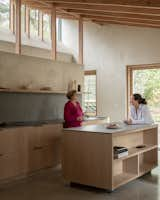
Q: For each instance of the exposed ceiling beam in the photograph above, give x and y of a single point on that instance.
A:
(103, 14)
(123, 20)
(110, 8)
(140, 3)
(112, 22)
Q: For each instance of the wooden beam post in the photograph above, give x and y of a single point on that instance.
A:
(25, 18)
(18, 26)
(53, 33)
(39, 19)
(80, 59)
(27, 21)
(12, 16)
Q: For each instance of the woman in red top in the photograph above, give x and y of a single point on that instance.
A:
(73, 114)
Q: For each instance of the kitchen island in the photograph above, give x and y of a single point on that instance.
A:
(88, 155)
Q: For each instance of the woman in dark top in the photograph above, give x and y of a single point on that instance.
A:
(73, 114)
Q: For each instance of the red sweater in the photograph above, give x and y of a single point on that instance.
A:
(71, 112)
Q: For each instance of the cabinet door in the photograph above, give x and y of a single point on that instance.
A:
(51, 133)
(11, 165)
(11, 140)
(33, 137)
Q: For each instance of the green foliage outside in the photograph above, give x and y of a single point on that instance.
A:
(147, 83)
(4, 13)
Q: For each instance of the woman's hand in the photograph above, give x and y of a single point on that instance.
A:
(129, 121)
(79, 119)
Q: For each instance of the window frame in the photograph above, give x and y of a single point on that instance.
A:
(90, 73)
(129, 78)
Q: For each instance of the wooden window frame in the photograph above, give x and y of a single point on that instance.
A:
(89, 73)
(129, 77)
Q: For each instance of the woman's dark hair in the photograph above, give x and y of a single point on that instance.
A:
(139, 98)
(71, 93)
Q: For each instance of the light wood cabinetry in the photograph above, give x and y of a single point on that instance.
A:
(88, 155)
(27, 149)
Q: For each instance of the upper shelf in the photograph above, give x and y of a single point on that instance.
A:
(32, 91)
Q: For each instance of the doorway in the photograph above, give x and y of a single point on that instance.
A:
(145, 79)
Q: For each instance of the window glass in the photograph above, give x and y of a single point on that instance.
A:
(90, 95)
(47, 27)
(34, 22)
(4, 14)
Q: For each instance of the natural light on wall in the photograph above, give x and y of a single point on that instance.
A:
(4, 14)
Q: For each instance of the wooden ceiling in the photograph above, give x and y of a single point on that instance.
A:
(143, 13)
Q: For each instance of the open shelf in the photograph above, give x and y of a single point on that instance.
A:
(34, 91)
(31, 91)
(135, 151)
(125, 171)
(123, 178)
(148, 161)
(139, 161)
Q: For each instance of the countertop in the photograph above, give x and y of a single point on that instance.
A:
(104, 130)
(4, 125)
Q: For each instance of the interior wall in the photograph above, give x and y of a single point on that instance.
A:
(109, 49)
(18, 71)
(32, 73)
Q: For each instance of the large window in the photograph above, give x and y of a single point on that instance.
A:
(90, 104)
(146, 81)
(4, 14)
(35, 24)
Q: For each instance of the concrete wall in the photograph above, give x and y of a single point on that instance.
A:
(34, 73)
(31, 107)
(109, 49)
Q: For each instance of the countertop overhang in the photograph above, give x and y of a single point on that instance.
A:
(102, 128)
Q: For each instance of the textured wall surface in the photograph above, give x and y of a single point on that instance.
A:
(109, 49)
(34, 73)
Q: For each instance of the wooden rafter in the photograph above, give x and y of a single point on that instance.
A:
(133, 12)
(53, 32)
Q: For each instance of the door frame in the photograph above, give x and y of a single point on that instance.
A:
(129, 77)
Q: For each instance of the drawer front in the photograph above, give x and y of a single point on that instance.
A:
(43, 156)
(11, 140)
(11, 165)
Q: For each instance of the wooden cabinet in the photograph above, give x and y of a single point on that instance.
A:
(26, 149)
(88, 155)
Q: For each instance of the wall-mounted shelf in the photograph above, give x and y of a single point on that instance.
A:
(33, 91)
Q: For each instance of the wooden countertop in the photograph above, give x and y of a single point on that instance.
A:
(102, 128)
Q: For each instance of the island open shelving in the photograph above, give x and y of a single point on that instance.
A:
(88, 154)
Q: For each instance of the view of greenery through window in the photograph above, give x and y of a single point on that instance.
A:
(4, 21)
(4, 14)
(47, 25)
(34, 22)
(147, 83)
(90, 95)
